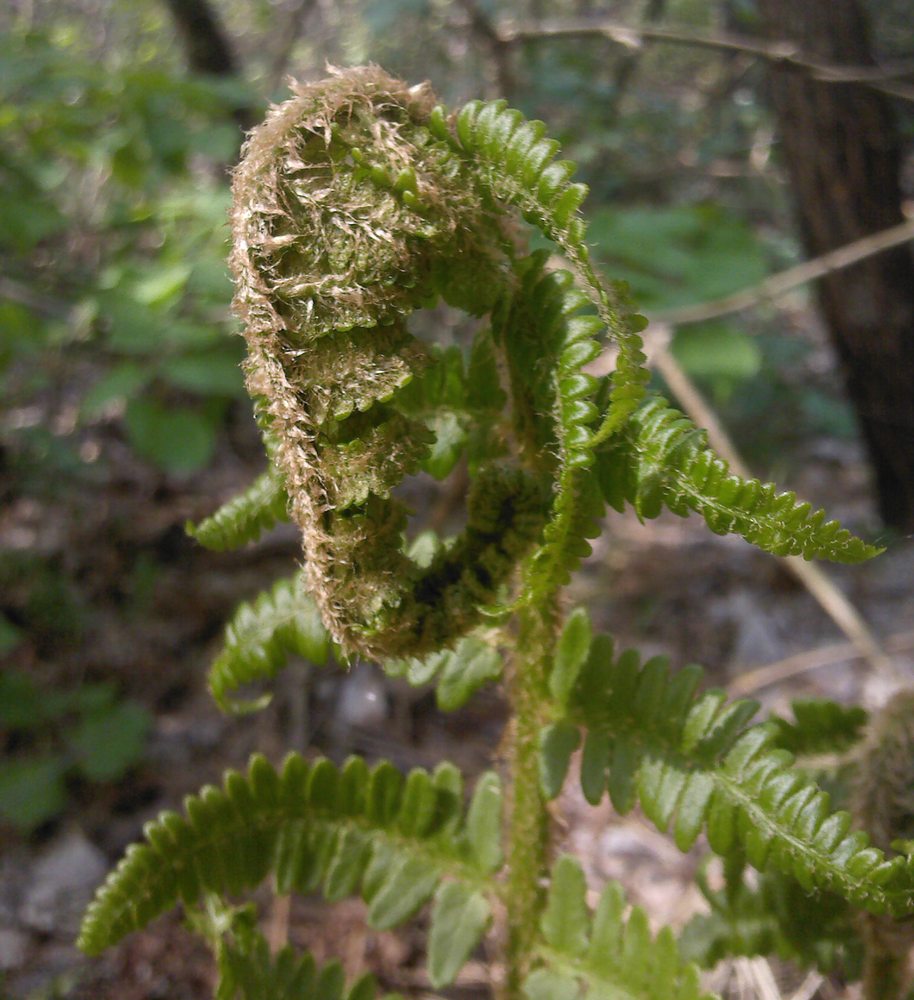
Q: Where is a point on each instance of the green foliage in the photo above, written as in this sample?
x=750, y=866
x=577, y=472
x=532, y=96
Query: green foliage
x=457, y=673
x=692, y=762
x=248, y=971
x=391, y=838
x=777, y=917
x=678, y=255
x=114, y=205
x=719, y=355
x=245, y=517
x=351, y=402
x=548, y=343
x=260, y=637
x=820, y=727
x=604, y=953
x=517, y=162
x=86, y=732
x=662, y=459
x=33, y=790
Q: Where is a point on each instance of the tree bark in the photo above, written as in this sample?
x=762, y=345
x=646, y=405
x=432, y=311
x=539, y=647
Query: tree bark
x=843, y=154
x=208, y=49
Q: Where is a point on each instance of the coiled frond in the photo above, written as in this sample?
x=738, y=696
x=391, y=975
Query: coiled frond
x=692, y=763
x=285, y=621
x=394, y=839
x=662, y=460
x=348, y=216
x=549, y=340
x=604, y=954
x=246, y=517
x=457, y=673
x=260, y=637
x=356, y=203
x=517, y=162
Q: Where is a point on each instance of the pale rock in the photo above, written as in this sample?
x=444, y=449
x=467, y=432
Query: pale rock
x=62, y=883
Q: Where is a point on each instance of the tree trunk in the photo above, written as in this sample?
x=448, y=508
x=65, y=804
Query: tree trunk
x=208, y=48
x=842, y=151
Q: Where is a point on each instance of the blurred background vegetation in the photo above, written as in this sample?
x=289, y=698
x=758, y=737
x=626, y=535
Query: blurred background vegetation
x=123, y=411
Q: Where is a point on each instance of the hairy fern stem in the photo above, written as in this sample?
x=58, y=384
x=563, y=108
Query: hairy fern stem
x=528, y=818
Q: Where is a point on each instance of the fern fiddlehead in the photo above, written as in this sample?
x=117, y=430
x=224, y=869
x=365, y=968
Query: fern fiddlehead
x=358, y=202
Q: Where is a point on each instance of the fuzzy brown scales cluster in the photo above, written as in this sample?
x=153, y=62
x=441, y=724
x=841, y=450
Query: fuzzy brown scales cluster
x=349, y=215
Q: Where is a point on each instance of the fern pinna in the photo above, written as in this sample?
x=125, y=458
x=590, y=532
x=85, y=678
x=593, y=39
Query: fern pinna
x=358, y=202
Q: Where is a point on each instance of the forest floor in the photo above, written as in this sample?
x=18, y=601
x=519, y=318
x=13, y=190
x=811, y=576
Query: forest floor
x=151, y=605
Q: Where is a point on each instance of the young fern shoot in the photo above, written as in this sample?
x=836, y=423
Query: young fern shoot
x=358, y=202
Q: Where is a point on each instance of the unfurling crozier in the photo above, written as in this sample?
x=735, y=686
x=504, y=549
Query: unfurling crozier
x=349, y=214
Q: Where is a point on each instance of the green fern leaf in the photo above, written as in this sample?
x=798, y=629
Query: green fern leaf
x=691, y=761
x=484, y=822
x=603, y=954
x=549, y=341
x=557, y=743
x=260, y=637
x=460, y=917
x=820, y=727
x=443, y=399
x=246, y=517
x=662, y=459
x=566, y=919
x=516, y=163
x=247, y=971
x=312, y=825
x=457, y=673
x=776, y=917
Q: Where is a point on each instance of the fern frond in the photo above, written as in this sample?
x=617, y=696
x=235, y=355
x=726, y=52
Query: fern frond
x=258, y=640
x=662, y=459
x=394, y=839
x=457, y=673
x=820, y=727
x=604, y=954
x=250, y=972
x=692, y=762
x=501, y=139
x=246, y=517
x=516, y=163
x=778, y=917
x=548, y=342
x=439, y=397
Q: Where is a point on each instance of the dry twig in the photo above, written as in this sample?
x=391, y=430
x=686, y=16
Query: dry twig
x=886, y=78
x=785, y=281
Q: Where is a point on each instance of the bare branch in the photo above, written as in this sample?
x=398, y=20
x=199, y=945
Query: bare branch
x=751, y=681
x=629, y=61
x=888, y=78
x=38, y=301
x=482, y=26
x=785, y=281
x=291, y=35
